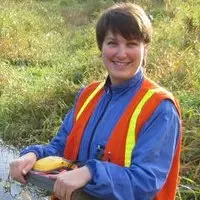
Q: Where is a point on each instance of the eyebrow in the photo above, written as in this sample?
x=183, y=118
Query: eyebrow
x=110, y=38
x=114, y=38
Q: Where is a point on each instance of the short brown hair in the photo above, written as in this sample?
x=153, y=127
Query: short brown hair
x=127, y=19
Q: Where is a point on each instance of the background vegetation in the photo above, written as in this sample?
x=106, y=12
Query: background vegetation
x=48, y=51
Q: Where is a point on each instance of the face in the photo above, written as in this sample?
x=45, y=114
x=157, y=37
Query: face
x=121, y=57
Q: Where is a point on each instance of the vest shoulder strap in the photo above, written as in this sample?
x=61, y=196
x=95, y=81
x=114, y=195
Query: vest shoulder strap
x=86, y=104
x=86, y=96
x=138, y=111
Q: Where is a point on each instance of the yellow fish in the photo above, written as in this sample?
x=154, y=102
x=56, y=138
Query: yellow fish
x=51, y=163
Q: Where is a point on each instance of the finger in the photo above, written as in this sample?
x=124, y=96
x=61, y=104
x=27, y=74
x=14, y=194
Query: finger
x=62, y=193
x=68, y=195
x=26, y=169
x=22, y=180
x=24, y=172
x=56, y=190
x=13, y=165
x=18, y=176
x=52, y=176
x=16, y=172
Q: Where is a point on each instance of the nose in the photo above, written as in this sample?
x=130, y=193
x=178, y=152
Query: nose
x=121, y=52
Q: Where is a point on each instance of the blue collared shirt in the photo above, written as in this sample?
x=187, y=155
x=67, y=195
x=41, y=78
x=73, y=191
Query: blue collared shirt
x=152, y=155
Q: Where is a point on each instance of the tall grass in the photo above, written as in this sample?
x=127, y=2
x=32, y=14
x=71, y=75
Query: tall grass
x=48, y=51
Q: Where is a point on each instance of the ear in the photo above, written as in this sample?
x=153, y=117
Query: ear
x=145, y=50
x=145, y=54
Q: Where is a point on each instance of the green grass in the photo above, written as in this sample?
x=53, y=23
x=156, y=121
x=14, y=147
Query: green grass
x=48, y=51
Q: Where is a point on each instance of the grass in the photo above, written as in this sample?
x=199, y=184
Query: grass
x=48, y=51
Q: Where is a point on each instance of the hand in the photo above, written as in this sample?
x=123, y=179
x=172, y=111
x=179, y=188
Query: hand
x=21, y=166
x=67, y=182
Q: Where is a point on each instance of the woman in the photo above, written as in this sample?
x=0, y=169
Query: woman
x=125, y=130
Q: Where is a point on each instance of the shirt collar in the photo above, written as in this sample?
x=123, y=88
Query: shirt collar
x=127, y=84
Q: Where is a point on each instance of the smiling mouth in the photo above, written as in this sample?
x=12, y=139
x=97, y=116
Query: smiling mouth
x=121, y=64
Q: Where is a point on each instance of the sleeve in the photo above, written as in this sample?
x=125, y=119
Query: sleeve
x=151, y=161
x=57, y=144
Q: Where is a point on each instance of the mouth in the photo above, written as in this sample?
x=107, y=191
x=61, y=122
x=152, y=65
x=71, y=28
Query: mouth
x=121, y=63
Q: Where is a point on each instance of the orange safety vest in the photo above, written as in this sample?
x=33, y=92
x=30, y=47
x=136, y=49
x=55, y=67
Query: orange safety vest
x=126, y=131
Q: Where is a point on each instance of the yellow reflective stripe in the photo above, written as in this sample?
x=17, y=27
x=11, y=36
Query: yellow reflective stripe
x=130, y=140
x=100, y=86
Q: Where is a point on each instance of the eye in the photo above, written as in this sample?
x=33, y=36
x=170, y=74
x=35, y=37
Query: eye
x=132, y=43
x=112, y=43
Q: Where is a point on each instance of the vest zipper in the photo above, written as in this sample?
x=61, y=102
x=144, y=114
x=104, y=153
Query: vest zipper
x=92, y=136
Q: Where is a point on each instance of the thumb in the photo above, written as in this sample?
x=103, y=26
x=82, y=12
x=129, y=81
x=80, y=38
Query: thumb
x=26, y=169
x=52, y=176
x=24, y=172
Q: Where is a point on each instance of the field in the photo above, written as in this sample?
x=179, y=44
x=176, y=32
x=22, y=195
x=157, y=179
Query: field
x=48, y=51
